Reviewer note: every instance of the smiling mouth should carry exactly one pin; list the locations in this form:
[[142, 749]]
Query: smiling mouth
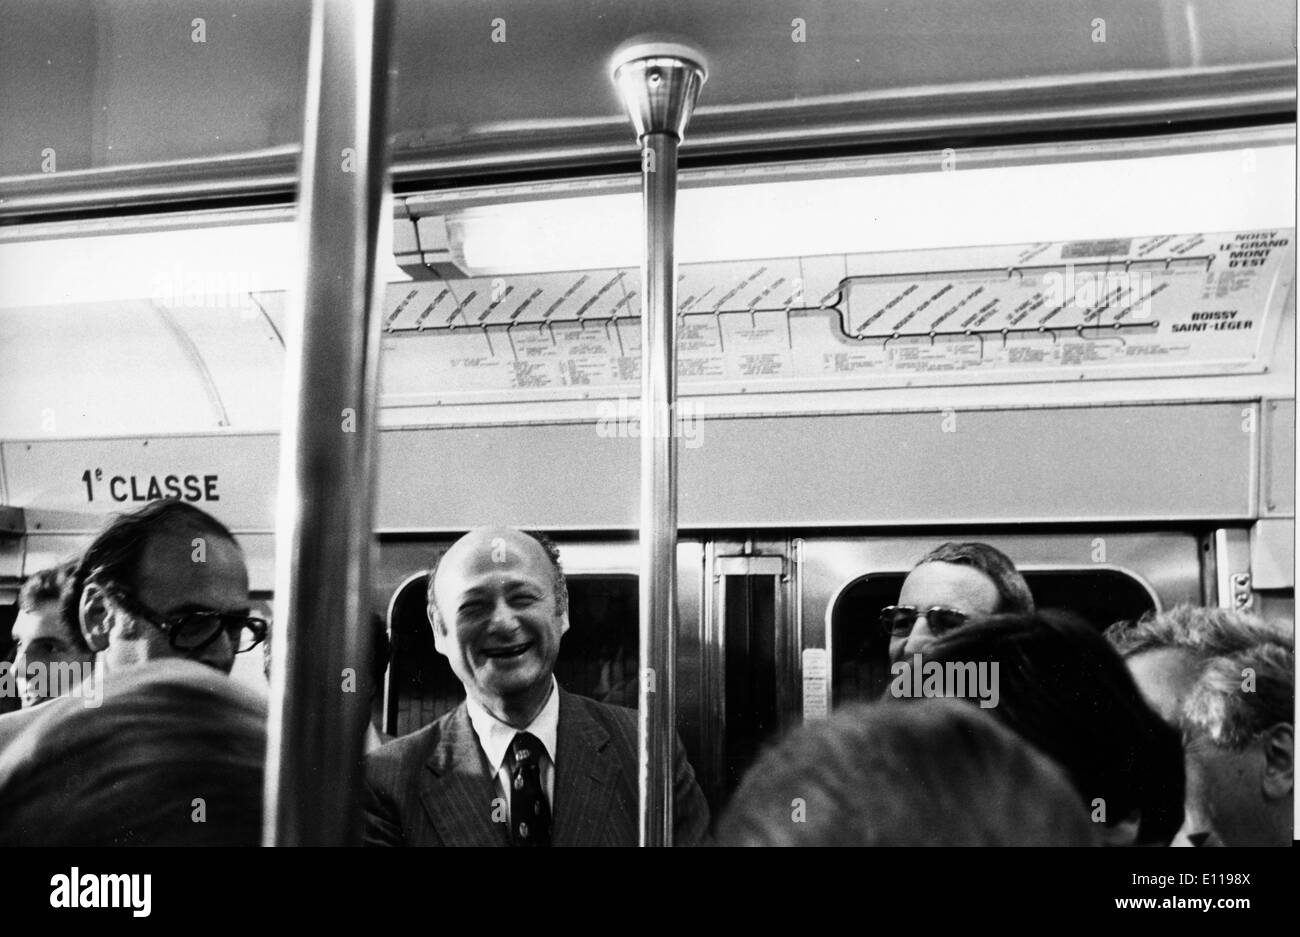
[[507, 652]]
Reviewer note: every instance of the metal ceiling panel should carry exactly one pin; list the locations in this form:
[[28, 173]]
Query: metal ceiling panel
[[182, 104]]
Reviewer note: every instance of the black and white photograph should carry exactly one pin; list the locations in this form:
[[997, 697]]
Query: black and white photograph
[[694, 423]]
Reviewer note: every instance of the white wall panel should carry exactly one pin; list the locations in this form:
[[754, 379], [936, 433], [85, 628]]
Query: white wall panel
[[1126, 463]]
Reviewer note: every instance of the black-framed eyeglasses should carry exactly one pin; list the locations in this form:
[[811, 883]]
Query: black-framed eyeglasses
[[898, 620], [191, 632]]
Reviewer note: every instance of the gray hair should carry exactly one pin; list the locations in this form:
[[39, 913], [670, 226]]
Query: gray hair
[[1206, 632], [1240, 696]]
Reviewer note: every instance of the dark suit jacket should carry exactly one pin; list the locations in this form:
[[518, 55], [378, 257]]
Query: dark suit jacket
[[13, 723], [434, 787]]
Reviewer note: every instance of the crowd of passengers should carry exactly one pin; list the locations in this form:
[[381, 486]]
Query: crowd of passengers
[[1174, 729]]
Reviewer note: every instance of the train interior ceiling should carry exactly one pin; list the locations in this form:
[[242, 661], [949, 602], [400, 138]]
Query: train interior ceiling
[[1073, 341]]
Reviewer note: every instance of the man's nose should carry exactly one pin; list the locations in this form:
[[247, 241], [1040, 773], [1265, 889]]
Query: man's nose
[[503, 616], [1196, 829], [221, 651], [1189, 835], [919, 637]]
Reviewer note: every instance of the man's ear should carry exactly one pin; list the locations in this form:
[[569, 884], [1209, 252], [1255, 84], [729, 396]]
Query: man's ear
[[439, 628], [1279, 762], [564, 622], [94, 617]]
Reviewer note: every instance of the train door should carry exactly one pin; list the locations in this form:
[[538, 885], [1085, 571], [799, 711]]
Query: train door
[[750, 651], [789, 628]]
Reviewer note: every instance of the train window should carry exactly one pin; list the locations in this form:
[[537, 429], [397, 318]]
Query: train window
[[861, 649], [1100, 597], [598, 655]]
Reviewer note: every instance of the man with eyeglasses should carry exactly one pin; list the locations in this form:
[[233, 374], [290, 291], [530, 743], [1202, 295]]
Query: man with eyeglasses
[[166, 581], [952, 583]]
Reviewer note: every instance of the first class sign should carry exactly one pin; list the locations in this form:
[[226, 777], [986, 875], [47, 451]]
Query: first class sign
[[69, 483], [143, 488]]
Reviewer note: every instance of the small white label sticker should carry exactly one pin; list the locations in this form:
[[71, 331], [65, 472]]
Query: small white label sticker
[[815, 704]]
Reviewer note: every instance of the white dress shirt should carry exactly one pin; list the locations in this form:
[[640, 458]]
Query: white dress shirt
[[495, 736]]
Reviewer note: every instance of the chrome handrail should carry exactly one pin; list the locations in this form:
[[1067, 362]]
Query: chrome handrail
[[658, 84], [323, 531]]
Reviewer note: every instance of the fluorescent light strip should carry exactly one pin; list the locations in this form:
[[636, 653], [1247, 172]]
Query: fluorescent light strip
[[1235, 189], [1218, 191], [212, 263]]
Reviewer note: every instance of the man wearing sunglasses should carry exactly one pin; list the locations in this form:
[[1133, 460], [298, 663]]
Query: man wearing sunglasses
[[952, 583]]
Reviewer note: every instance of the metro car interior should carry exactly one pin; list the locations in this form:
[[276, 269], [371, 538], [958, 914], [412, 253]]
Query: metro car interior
[[1044, 301]]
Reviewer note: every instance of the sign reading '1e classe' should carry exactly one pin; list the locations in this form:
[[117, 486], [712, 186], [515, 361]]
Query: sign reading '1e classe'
[[141, 488]]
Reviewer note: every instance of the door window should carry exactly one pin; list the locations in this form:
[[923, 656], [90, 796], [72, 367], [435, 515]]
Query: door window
[[861, 648], [598, 655]]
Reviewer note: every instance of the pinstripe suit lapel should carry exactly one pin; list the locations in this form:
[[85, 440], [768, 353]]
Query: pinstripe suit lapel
[[585, 770], [456, 788]]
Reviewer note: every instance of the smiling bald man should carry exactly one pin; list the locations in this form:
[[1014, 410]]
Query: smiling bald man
[[521, 761]]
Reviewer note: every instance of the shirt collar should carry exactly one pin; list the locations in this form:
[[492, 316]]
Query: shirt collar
[[495, 736]]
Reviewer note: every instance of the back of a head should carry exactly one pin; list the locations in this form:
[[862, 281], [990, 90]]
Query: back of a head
[[931, 773], [1068, 693], [1014, 596], [173, 756]]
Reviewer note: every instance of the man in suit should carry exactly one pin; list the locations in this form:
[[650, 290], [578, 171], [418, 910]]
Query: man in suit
[[520, 761]]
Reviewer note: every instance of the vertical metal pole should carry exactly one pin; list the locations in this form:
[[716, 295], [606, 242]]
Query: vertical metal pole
[[321, 651], [659, 83]]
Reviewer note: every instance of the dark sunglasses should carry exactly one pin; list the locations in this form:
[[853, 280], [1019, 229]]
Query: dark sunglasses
[[898, 620], [191, 632]]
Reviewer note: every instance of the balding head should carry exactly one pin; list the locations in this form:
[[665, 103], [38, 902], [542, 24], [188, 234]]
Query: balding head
[[498, 606], [505, 535], [143, 580]]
